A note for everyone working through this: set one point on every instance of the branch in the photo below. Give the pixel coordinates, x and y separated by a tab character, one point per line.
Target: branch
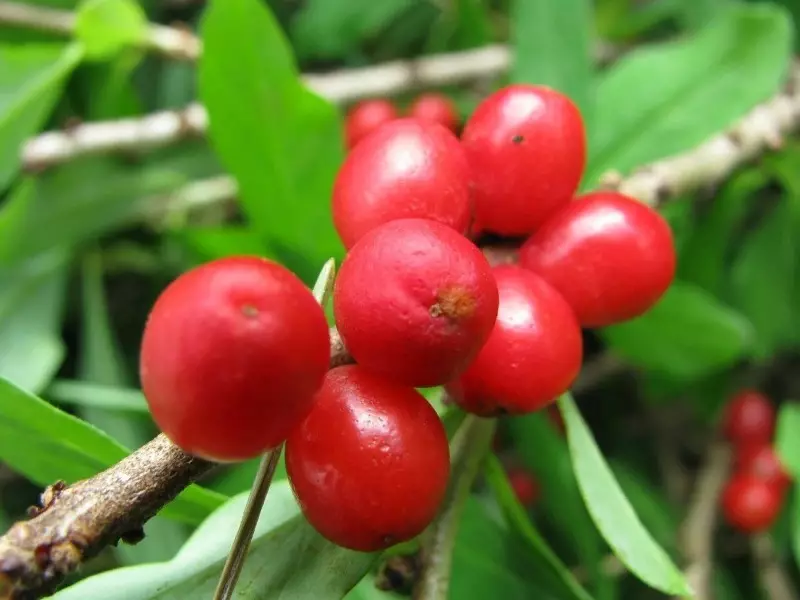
436	555
775	582
173	42
697	530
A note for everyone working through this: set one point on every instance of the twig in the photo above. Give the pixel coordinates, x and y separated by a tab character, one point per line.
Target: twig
173	42
696	535
775	582
436	556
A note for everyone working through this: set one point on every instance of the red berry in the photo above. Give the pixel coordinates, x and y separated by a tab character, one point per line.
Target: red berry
750	504
365	117
762	461
370	463
610	256
437	108
524	485
533	353
415	301
749	418
408	169
527	149
232	355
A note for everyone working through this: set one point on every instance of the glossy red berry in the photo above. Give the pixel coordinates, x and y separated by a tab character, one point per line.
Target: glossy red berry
762	461
749	418
414	301
610	256
365	117
232	355
750	504
525	486
437	108
527	150
408	169
370	463
533	354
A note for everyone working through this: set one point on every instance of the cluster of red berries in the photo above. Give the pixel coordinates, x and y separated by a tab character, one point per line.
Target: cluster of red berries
235	353
368	115
753	497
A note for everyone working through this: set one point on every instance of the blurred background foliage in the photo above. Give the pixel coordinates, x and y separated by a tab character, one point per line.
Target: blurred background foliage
85	247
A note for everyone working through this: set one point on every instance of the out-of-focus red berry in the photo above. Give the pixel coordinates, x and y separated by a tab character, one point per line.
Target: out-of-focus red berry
525	486
761	460
751	504
437	108
365	117
749	418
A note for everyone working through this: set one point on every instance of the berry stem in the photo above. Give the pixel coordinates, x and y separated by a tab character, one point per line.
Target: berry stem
469	447
266	470
241	543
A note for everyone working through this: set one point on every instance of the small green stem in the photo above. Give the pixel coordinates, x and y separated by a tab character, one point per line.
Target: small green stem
469	447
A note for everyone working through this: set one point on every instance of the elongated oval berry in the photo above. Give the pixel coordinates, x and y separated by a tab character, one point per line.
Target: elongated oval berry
407	169
414	301
761	460
750	504
749	418
533	354
437	108
232	355
370	463
526	147
610	256
365	117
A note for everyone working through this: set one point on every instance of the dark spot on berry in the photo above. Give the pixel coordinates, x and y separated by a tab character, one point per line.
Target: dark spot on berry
517	139
249	311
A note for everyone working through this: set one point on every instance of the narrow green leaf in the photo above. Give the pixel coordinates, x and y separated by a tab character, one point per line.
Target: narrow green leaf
611	511
94	395
31	303
46	444
687	334
545	453
796	524
281	142
519	521
787	442
697	91
287	559
762	283
703	258
31	78
553	46
106	27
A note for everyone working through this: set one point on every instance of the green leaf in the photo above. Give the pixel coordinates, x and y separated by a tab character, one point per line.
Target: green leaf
519	521
31	303
697	92
611	511
687	335
787	442
281	142
287	559
552	46
31	78
703	258
93	395
544	452
327	30
106	27
45	444
796	524
67	206
660	519
213	242
762	279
